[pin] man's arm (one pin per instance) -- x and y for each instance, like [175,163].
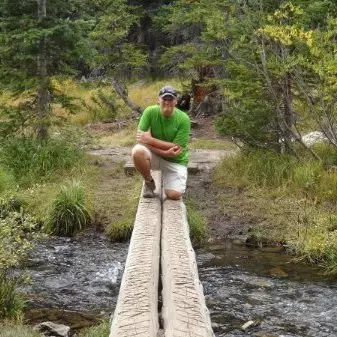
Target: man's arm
[169,153]
[160,147]
[147,139]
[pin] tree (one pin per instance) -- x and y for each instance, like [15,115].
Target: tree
[116,57]
[190,55]
[38,40]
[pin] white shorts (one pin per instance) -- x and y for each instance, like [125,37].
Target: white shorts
[174,175]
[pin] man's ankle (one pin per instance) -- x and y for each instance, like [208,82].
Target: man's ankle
[149,178]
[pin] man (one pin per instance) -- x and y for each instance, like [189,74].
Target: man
[162,136]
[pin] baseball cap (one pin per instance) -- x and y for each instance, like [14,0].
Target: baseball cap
[167,90]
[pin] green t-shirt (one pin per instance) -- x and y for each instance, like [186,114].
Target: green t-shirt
[174,129]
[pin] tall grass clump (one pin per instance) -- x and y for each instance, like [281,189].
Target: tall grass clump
[197,223]
[259,168]
[11,304]
[31,161]
[69,212]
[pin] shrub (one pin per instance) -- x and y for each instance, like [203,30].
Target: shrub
[69,212]
[17,233]
[17,236]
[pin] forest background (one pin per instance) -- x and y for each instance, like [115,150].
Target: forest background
[266,71]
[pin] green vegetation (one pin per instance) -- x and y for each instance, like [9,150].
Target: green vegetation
[18,232]
[287,201]
[124,202]
[218,144]
[9,329]
[101,330]
[11,304]
[30,162]
[69,212]
[265,69]
[197,223]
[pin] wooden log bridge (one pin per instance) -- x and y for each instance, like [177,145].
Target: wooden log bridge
[160,247]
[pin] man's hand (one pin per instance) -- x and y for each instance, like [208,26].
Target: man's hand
[173,151]
[143,137]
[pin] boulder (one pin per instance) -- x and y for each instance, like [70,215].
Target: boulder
[53,329]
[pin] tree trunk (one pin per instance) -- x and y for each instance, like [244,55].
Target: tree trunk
[43,93]
[287,111]
[123,94]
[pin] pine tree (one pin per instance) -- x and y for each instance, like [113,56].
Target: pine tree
[40,39]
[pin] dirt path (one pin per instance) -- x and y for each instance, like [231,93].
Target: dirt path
[214,202]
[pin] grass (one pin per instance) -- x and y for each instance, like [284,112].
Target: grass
[114,196]
[124,137]
[11,304]
[10,329]
[69,211]
[286,201]
[146,93]
[125,206]
[101,330]
[197,223]
[30,161]
[216,144]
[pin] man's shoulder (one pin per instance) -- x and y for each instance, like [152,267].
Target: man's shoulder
[152,108]
[182,114]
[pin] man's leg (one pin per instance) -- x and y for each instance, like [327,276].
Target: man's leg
[172,194]
[141,157]
[174,179]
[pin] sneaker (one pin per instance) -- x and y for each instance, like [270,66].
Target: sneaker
[149,187]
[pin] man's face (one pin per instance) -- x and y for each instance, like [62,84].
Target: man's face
[167,104]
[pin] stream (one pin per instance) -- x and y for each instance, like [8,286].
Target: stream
[75,281]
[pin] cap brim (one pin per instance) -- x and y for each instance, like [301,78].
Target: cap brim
[167,94]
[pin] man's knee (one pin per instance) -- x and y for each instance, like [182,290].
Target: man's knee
[172,194]
[140,151]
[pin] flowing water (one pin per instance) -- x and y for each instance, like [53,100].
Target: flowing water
[262,287]
[75,281]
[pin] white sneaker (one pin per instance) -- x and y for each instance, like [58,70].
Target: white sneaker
[149,187]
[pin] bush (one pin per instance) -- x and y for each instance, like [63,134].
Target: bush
[31,161]
[69,212]
[17,235]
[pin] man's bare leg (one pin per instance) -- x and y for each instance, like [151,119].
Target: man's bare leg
[172,194]
[142,161]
